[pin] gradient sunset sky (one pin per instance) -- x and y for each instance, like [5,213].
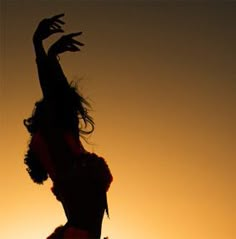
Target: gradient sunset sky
[161,78]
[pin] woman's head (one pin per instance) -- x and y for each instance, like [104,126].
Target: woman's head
[69,111]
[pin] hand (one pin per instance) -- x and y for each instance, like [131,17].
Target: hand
[65,43]
[48,26]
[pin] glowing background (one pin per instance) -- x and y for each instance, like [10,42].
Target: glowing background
[161,79]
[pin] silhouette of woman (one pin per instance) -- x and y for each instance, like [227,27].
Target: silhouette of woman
[80,179]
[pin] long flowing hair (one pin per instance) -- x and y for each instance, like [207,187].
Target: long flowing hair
[71,113]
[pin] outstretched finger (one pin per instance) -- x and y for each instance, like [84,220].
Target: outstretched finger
[73,48]
[71,35]
[55,24]
[77,42]
[59,21]
[56,18]
[54,27]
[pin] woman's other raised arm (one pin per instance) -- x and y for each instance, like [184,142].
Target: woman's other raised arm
[63,44]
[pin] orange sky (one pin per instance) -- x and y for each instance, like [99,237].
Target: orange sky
[161,79]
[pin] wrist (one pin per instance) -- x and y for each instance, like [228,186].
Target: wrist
[37,41]
[52,53]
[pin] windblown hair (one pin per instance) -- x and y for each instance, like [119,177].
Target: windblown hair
[35,168]
[70,112]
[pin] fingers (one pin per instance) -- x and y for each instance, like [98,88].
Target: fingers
[72,47]
[59,21]
[66,43]
[74,34]
[69,37]
[55,23]
[56,18]
[55,28]
[77,42]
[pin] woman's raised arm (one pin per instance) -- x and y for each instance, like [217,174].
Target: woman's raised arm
[63,44]
[46,28]
[51,75]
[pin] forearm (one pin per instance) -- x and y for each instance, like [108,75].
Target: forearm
[42,65]
[57,74]
[40,52]
[51,75]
